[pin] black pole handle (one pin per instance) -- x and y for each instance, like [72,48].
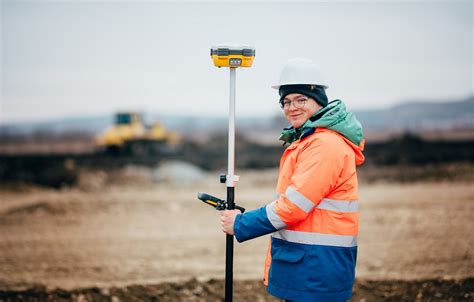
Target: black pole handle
[242,210]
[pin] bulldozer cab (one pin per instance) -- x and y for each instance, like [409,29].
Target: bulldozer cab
[126,118]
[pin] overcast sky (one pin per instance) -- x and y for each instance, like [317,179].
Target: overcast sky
[77,58]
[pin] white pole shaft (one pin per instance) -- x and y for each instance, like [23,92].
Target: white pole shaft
[231,144]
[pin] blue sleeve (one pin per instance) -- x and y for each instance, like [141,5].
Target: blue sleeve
[252,224]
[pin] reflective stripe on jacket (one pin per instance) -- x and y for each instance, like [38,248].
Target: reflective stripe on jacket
[314,221]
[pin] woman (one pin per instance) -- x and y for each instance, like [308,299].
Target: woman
[314,221]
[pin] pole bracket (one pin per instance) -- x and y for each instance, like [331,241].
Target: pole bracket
[231,180]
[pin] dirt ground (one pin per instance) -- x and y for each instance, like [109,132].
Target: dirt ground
[127,241]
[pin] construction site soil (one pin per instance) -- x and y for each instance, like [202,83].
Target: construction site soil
[133,239]
[250,290]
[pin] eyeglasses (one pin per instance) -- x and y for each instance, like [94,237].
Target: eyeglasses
[298,103]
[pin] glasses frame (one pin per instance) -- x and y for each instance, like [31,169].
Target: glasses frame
[298,103]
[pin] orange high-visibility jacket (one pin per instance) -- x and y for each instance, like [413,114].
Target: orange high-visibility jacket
[314,221]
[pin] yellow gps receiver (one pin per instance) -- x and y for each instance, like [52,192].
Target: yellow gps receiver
[233,56]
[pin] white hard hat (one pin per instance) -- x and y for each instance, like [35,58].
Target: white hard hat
[300,71]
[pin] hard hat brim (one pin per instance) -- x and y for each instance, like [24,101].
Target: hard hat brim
[277,86]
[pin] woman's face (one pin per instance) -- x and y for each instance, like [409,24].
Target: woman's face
[298,116]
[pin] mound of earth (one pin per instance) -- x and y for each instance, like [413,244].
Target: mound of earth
[249,290]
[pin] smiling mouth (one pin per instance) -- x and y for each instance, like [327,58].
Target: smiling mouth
[295,116]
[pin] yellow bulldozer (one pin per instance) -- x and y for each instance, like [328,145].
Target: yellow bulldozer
[130,136]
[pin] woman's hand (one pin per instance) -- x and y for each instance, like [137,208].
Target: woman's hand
[227,220]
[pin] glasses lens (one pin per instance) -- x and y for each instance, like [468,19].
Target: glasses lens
[298,103]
